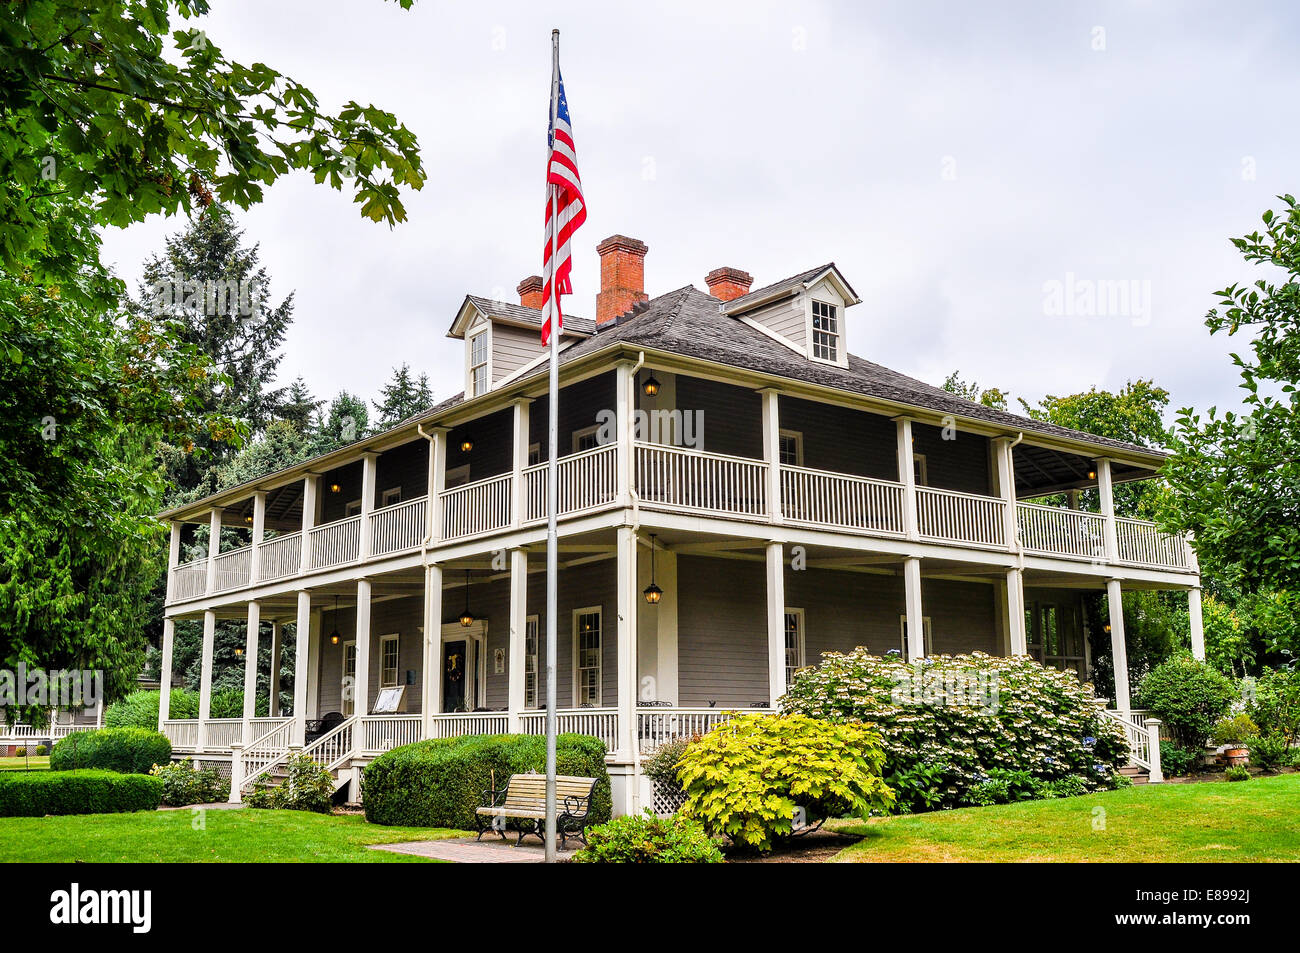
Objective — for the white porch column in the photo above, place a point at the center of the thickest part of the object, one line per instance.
(1005, 475)
(1197, 624)
(361, 685)
(277, 647)
(431, 678)
(907, 476)
(214, 547)
(1106, 491)
(912, 606)
(775, 622)
(518, 632)
(259, 534)
(205, 676)
(772, 455)
(1016, 612)
(1117, 647)
(165, 671)
(624, 381)
(626, 545)
(250, 669)
(369, 475)
(300, 664)
(310, 496)
(173, 559)
(519, 456)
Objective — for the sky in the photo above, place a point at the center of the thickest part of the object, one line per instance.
(1039, 195)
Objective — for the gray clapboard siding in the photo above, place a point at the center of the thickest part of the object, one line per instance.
(842, 440)
(786, 318)
(732, 416)
(405, 467)
(512, 348)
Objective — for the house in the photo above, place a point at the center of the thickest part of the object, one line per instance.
(737, 495)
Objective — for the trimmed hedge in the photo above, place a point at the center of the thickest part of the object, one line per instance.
(440, 783)
(38, 793)
(128, 750)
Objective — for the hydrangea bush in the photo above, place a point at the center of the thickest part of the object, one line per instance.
(952, 722)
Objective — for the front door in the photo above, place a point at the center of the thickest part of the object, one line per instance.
(455, 675)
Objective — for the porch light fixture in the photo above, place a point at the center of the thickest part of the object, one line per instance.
(466, 444)
(238, 652)
(249, 519)
(334, 636)
(1092, 474)
(651, 386)
(335, 488)
(467, 617)
(652, 592)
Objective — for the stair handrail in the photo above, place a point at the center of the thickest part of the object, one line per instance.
(311, 750)
(263, 747)
(1143, 740)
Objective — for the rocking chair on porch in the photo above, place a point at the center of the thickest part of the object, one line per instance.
(318, 727)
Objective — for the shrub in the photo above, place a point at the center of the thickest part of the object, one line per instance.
(128, 750)
(747, 778)
(1237, 772)
(1269, 751)
(1188, 696)
(38, 793)
(1235, 731)
(951, 722)
(40, 751)
(306, 787)
(184, 784)
(647, 839)
(20, 752)
(1276, 706)
(1176, 760)
(440, 782)
(139, 709)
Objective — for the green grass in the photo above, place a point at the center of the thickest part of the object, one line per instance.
(1198, 823)
(18, 764)
(181, 836)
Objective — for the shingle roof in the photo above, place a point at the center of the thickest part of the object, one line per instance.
(530, 316)
(785, 284)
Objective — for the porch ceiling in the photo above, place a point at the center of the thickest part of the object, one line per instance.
(1040, 471)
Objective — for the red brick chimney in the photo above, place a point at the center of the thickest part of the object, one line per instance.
(530, 292)
(728, 283)
(622, 276)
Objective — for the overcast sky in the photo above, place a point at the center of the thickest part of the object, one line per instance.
(953, 159)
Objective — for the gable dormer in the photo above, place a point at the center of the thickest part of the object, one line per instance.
(804, 312)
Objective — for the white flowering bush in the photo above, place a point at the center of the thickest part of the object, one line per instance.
(949, 721)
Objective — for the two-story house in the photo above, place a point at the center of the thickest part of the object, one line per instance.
(738, 494)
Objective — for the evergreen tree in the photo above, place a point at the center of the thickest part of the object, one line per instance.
(346, 421)
(300, 407)
(403, 397)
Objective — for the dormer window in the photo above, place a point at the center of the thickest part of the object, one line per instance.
(826, 332)
(478, 364)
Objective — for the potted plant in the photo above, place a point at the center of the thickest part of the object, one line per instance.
(1234, 734)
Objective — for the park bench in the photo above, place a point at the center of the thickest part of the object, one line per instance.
(521, 803)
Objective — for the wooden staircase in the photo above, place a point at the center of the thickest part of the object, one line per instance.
(333, 751)
(1137, 775)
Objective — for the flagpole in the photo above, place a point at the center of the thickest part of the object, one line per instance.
(552, 488)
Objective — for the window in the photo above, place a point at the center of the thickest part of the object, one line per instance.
(586, 656)
(1062, 647)
(586, 439)
(391, 497)
(456, 476)
(790, 448)
(826, 331)
(352, 508)
(349, 691)
(478, 364)
(530, 662)
(534, 454)
(919, 471)
(388, 661)
(925, 626)
(794, 648)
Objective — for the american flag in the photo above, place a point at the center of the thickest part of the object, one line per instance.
(569, 212)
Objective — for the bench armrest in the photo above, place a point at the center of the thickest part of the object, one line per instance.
(493, 797)
(577, 807)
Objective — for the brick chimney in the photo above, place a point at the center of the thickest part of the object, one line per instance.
(728, 283)
(530, 292)
(622, 276)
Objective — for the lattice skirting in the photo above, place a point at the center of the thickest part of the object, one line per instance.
(666, 799)
(221, 767)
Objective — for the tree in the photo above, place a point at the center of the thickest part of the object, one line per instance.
(1236, 476)
(299, 407)
(403, 397)
(346, 421)
(991, 397)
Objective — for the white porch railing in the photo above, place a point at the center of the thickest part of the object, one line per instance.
(279, 557)
(600, 723)
(587, 480)
(1142, 542)
(657, 726)
(224, 732)
(469, 723)
(1143, 735)
(477, 507)
(841, 501)
(232, 569)
(380, 733)
(1054, 531)
(697, 480)
(950, 516)
(271, 737)
(190, 580)
(397, 527)
(183, 733)
(335, 543)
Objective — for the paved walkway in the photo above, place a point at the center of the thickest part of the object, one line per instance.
(464, 850)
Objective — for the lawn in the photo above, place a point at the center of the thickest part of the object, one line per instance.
(40, 763)
(1196, 823)
(182, 836)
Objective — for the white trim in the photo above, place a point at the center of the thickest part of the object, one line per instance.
(923, 478)
(598, 611)
(475, 633)
(801, 650)
(348, 511)
(344, 701)
(384, 497)
(395, 638)
(577, 435)
(841, 339)
(798, 446)
(533, 621)
(534, 448)
(454, 473)
(470, 339)
(929, 634)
